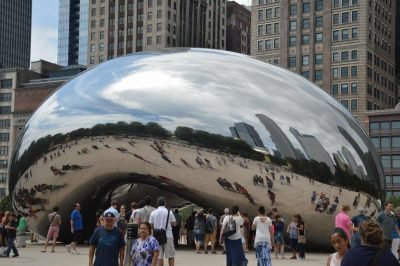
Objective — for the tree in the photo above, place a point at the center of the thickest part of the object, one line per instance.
(5, 204)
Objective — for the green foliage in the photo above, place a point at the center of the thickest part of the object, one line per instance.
(395, 200)
(5, 204)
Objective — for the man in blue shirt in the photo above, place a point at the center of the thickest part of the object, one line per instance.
(76, 229)
(108, 243)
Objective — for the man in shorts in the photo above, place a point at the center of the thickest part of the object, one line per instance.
(76, 229)
(158, 220)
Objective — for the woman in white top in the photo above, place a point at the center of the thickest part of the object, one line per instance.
(233, 243)
(263, 240)
(340, 242)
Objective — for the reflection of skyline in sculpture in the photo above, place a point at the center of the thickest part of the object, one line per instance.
(351, 162)
(281, 141)
(246, 133)
(313, 148)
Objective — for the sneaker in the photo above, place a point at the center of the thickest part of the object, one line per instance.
(15, 255)
(75, 252)
(293, 258)
(68, 248)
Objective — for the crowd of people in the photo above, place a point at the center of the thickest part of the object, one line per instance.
(362, 240)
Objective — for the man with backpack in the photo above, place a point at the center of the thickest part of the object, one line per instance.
(210, 231)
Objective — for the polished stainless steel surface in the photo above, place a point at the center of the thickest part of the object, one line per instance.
(195, 125)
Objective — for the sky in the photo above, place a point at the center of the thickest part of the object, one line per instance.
(44, 29)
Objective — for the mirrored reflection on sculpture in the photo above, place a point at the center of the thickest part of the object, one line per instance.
(204, 126)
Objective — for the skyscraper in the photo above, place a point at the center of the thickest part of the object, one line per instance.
(15, 33)
(238, 28)
(122, 27)
(246, 133)
(347, 47)
(72, 32)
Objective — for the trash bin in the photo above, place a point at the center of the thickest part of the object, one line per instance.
(131, 235)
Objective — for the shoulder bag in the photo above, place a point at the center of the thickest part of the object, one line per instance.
(48, 226)
(301, 239)
(230, 227)
(161, 233)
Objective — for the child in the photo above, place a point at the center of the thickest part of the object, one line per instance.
(340, 242)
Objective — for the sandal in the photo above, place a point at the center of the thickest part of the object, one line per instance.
(44, 251)
(52, 251)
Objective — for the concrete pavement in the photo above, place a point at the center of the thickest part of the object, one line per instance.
(31, 256)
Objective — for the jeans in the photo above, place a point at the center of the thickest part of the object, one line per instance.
(11, 246)
(300, 249)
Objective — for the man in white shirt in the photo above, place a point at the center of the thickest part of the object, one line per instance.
(113, 209)
(158, 220)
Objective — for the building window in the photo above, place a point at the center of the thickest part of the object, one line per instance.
(335, 57)
(345, 34)
(335, 35)
(335, 89)
(375, 142)
(319, 5)
(5, 97)
(354, 71)
(345, 17)
(344, 72)
(345, 3)
(345, 55)
(306, 23)
(4, 123)
(318, 59)
(336, 3)
(395, 124)
(335, 72)
(318, 37)
(319, 21)
(345, 103)
(3, 150)
(305, 60)
(292, 61)
(268, 44)
(318, 75)
(293, 25)
(4, 137)
(335, 19)
(260, 45)
(277, 12)
(385, 159)
(260, 29)
(276, 27)
(268, 14)
(344, 88)
(305, 39)
(4, 110)
(292, 41)
(159, 14)
(354, 16)
(306, 7)
(260, 14)
(353, 104)
(306, 74)
(293, 10)
(354, 55)
(395, 142)
(354, 87)
(276, 43)
(268, 28)
(3, 164)
(158, 26)
(354, 33)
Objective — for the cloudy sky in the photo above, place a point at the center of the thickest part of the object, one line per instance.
(44, 29)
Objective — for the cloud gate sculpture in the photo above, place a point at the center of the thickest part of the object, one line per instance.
(199, 126)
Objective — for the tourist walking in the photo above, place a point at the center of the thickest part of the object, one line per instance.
(76, 223)
(340, 241)
(233, 243)
(54, 229)
(301, 237)
(21, 231)
(145, 212)
(293, 232)
(342, 220)
(279, 239)
(122, 222)
(145, 249)
(107, 243)
(263, 241)
(221, 220)
(114, 209)
(357, 220)
(370, 252)
(158, 219)
(388, 223)
(189, 227)
(210, 231)
(176, 230)
(11, 228)
(199, 230)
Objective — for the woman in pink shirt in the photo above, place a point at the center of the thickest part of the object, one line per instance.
(342, 220)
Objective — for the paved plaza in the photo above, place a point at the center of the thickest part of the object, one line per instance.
(31, 256)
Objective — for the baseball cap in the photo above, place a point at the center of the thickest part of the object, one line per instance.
(109, 215)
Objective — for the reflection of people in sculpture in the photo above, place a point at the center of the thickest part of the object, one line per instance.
(313, 197)
(271, 196)
(200, 161)
(356, 200)
(186, 163)
(56, 171)
(332, 209)
(225, 184)
(165, 157)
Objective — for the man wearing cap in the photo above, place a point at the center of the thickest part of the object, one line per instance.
(108, 243)
(387, 220)
(357, 220)
(114, 209)
(342, 220)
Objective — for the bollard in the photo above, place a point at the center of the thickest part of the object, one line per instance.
(131, 235)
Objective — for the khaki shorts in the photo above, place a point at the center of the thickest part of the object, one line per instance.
(210, 238)
(167, 251)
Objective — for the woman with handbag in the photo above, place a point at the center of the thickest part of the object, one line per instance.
(301, 237)
(233, 240)
(54, 228)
